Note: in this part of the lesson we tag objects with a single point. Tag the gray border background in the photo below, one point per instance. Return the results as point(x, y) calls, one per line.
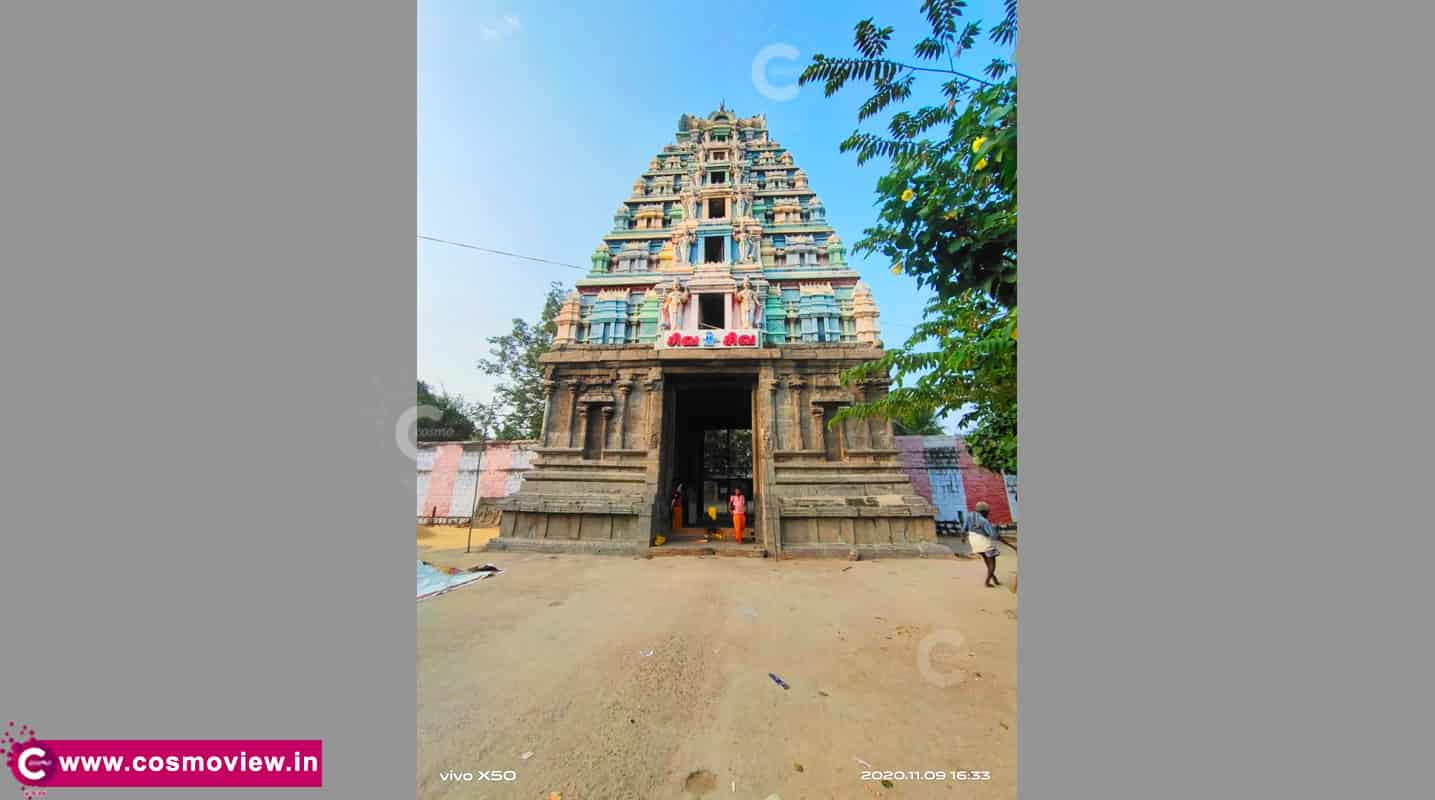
point(209, 303)
point(1225, 392)
point(207, 231)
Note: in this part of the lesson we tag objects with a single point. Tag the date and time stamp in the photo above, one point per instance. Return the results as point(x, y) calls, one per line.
point(888, 775)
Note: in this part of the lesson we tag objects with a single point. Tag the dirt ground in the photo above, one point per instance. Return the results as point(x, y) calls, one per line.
point(451, 537)
point(648, 678)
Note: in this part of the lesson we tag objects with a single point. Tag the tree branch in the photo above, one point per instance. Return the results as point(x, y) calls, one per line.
point(938, 69)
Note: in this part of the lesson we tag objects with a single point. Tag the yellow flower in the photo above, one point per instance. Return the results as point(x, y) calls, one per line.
point(981, 165)
point(897, 268)
point(978, 142)
point(908, 195)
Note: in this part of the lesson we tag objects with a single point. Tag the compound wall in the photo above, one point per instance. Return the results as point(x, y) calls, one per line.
point(449, 473)
point(940, 468)
point(943, 472)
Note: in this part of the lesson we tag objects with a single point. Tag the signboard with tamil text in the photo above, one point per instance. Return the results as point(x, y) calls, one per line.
point(713, 338)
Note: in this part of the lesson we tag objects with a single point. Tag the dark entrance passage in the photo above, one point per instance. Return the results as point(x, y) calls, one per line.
point(713, 448)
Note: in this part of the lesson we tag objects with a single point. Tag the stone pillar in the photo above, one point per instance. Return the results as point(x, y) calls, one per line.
point(764, 510)
point(794, 394)
point(607, 424)
point(858, 428)
point(819, 440)
point(653, 387)
point(884, 434)
point(769, 386)
point(574, 387)
point(582, 427)
point(548, 387)
point(624, 388)
point(881, 427)
point(872, 424)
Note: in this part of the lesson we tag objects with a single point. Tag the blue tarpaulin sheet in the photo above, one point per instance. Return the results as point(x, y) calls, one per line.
point(435, 580)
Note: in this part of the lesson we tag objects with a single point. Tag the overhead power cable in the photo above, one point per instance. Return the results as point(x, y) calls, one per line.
point(502, 252)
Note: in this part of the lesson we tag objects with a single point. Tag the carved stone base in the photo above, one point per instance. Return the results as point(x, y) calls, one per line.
point(868, 551)
point(609, 548)
point(572, 519)
point(844, 522)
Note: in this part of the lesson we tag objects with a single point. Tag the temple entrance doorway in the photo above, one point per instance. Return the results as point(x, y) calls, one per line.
point(713, 450)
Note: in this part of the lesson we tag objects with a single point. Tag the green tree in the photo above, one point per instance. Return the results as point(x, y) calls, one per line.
point(948, 217)
point(994, 442)
point(921, 422)
point(516, 409)
point(453, 421)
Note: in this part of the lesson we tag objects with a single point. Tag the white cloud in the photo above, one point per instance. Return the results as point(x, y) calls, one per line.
point(494, 30)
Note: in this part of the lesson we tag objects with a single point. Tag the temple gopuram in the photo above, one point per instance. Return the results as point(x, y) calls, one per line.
point(700, 355)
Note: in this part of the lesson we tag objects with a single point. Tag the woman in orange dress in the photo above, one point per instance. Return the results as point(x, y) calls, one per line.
point(737, 504)
point(678, 508)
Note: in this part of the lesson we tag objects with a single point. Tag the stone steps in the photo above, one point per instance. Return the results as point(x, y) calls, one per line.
point(700, 548)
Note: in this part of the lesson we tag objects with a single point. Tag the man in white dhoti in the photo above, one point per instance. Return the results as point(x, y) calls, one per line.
point(983, 538)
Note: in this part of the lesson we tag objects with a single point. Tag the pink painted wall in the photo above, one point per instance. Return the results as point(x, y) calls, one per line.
point(451, 472)
point(440, 483)
point(494, 470)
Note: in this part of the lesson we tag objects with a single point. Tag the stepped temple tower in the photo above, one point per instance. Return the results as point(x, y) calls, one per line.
point(701, 354)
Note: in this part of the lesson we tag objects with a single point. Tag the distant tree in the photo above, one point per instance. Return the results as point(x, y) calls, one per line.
point(453, 422)
point(516, 410)
point(921, 422)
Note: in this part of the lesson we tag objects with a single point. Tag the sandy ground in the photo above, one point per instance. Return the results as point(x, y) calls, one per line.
point(450, 537)
point(648, 678)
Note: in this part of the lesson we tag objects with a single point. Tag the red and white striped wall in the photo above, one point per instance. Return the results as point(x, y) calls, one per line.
point(450, 473)
point(940, 468)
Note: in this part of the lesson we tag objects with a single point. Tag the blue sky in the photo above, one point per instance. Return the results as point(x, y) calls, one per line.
point(534, 119)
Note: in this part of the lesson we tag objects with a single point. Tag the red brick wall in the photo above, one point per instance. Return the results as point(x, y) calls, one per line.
point(983, 484)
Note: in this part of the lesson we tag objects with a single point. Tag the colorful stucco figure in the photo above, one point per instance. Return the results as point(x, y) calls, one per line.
point(674, 303)
point(747, 302)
